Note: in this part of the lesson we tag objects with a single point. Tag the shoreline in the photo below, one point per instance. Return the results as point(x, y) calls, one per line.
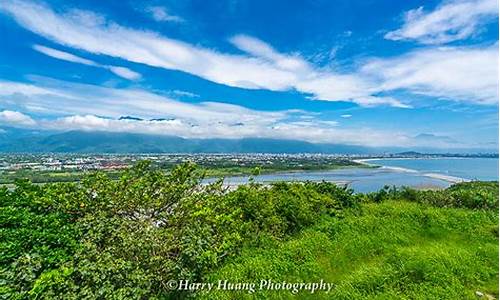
point(452, 179)
point(439, 176)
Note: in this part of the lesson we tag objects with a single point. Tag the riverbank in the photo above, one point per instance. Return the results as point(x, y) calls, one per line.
point(262, 170)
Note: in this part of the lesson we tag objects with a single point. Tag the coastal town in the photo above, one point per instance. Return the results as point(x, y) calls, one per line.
point(84, 162)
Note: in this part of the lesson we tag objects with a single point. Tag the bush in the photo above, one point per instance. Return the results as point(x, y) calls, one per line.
point(473, 195)
point(130, 236)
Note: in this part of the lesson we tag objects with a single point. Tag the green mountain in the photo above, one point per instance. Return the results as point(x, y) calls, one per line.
point(14, 140)
point(110, 142)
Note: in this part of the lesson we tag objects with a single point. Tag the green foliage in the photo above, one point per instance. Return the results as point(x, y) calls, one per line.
point(213, 166)
point(256, 171)
point(474, 195)
point(391, 250)
point(126, 236)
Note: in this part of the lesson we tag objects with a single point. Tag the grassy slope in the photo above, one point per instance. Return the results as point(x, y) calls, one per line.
point(392, 250)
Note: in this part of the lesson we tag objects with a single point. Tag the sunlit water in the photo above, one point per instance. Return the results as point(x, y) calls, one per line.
point(468, 168)
point(418, 173)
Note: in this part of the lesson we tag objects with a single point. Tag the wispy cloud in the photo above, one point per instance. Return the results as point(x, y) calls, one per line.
point(462, 74)
point(452, 73)
point(15, 118)
point(451, 21)
point(123, 72)
point(67, 98)
point(305, 131)
point(62, 55)
point(63, 106)
point(180, 93)
point(161, 14)
point(456, 74)
point(322, 84)
point(261, 68)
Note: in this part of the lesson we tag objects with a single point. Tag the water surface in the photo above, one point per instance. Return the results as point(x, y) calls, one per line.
point(417, 173)
point(468, 168)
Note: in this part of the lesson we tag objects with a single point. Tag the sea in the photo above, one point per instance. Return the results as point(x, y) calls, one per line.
point(420, 173)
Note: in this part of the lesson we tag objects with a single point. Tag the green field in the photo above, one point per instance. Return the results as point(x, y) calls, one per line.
point(217, 171)
point(220, 167)
point(129, 237)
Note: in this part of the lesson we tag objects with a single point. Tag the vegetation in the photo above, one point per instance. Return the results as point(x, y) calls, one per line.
point(222, 170)
point(128, 238)
point(213, 166)
point(36, 176)
point(389, 250)
point(474, 195)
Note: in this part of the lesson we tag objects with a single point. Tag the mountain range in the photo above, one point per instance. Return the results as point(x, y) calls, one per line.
point(14, 140)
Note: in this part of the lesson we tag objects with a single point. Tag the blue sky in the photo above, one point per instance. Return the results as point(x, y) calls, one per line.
point(375, 73)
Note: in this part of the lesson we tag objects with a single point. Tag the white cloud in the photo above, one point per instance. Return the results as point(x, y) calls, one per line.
point(94, 108)
point(346, 116)
point(321, 132)
point(451, 21)
point(161, 14)
point(462, 74)
point(184, 94)
point(67, 98)
point(321, 84)
point(12, 93)
point(124, 72)
point(119, 71)
point(15, 118)
point(262, 67)
point(374, 101)
point(459, 74)
point(63, 55)
point(258, 48)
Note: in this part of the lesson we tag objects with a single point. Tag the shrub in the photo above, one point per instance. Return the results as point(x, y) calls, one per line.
point(130, 236)
point(473, 195)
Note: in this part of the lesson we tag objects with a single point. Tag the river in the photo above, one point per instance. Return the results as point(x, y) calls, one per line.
point(417, 173)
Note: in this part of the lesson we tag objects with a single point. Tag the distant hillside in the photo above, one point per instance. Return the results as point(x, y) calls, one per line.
point(21, 140)
point(108, 142)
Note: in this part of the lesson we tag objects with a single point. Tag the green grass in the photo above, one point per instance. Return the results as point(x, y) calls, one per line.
point(390, 250)
point(236, 170)
point(224, 169)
